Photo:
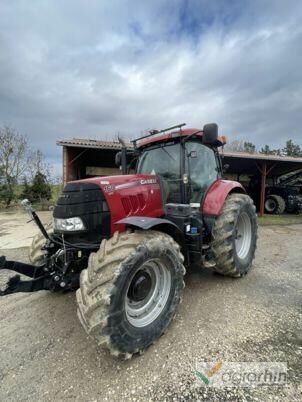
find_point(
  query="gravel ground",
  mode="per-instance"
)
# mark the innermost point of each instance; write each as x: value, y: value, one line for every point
x: 15, y: 228
x: 45, y: 354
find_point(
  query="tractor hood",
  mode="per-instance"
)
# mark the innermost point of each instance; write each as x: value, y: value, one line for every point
x: 130, y: 195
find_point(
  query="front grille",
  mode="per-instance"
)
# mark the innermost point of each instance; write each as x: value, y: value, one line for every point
x: 86, y: 201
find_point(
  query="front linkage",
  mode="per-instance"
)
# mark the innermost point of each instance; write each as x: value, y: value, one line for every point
x: 60, y: 269
x: 43, y: 277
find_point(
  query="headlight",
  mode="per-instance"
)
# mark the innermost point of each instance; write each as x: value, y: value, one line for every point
x: 69, y: 224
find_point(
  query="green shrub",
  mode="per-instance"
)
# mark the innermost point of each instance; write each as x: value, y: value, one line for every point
x: 39, y: 191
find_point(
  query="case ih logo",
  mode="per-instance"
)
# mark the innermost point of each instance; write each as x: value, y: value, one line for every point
x: 148, y: 181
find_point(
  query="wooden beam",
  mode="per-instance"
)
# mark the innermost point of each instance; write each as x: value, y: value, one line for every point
x: 102, y: 171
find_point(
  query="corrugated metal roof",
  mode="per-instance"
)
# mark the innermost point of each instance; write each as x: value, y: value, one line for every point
x: 102, y: 144
x: 259, y: 156
x: 88, y: 143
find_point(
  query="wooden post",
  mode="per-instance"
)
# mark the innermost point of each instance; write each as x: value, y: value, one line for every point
x: 263, y: 182
x: 65, y: 165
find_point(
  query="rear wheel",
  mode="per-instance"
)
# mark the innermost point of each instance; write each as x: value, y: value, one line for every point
x: 129, y: 292
x: 235, y: 236
x: 274, y: 204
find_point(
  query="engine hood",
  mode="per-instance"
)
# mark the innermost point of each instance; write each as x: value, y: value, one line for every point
x: 111, y: 184
x: 130, y: 195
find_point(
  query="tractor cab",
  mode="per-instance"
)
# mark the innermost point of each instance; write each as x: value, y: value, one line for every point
x: 186, y: 161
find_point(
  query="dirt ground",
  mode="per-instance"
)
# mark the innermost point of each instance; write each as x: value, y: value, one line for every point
x: 16, y: 230
x: 46, y: 356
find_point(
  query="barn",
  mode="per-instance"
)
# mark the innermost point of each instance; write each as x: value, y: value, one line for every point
x: 83, y: 158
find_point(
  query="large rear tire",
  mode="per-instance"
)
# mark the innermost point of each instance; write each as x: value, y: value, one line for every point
x: 36, y: 255
x: 235, y: 236
x: 274, y: 204
x: 129, y: 292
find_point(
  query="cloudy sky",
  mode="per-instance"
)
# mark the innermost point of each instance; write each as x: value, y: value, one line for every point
x: 95, y: 68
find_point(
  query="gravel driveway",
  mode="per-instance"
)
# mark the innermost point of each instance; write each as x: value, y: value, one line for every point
x: 45, y: 354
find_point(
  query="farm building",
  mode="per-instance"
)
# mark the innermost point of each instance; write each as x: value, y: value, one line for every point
x: 83, y: 158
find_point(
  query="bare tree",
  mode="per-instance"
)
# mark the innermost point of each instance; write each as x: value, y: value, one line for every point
x: 235, y: 145
x: 13, y: 149
x: 241, y: 146
x: 36, y: 164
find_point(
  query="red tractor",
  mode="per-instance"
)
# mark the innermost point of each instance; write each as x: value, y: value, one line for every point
x: 123, y: 241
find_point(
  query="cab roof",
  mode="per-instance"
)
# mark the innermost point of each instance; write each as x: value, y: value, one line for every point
x: 165, y: 137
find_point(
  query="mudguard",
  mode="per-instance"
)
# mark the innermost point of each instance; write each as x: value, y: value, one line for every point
x: 146, y: 223
x: 162, y: 225
x: 216, y: 195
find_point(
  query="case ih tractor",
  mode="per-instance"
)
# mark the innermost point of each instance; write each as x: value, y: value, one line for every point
x: 123, y: 241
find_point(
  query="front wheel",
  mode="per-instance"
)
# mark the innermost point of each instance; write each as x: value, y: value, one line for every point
x: 129, y: 292
x: 235, y: 236
x: 36, y: 255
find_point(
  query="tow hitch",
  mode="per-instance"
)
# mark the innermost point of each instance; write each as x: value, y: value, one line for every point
x: 54, y: 274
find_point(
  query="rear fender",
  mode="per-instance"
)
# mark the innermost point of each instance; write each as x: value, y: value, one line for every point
x: 216, y: 195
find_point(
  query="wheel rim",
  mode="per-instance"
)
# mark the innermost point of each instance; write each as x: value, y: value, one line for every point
x: 270, y: 205
x: 243, y: 236
x: 148, y: 293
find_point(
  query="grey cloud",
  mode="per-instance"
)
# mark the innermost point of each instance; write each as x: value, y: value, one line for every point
x: 92, y: 69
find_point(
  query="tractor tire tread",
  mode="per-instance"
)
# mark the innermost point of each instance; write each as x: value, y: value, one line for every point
x: 97, y: 282
x: 281, y: 205
x: 222, y: 245
x: 35, y: 250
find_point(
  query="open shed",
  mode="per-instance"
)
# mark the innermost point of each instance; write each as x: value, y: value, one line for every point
x: 83, y: 158
x: 265, y: 166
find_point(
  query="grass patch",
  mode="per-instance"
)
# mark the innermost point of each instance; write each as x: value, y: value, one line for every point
x: 280, y: 219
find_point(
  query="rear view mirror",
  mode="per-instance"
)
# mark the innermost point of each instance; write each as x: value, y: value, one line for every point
x: 210, y: 134
x: 118, y: 159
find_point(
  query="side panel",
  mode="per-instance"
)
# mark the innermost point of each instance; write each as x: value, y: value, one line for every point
x: 216, y: 195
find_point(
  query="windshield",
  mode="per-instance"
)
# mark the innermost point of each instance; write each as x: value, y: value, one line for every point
x: 163, y: 161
